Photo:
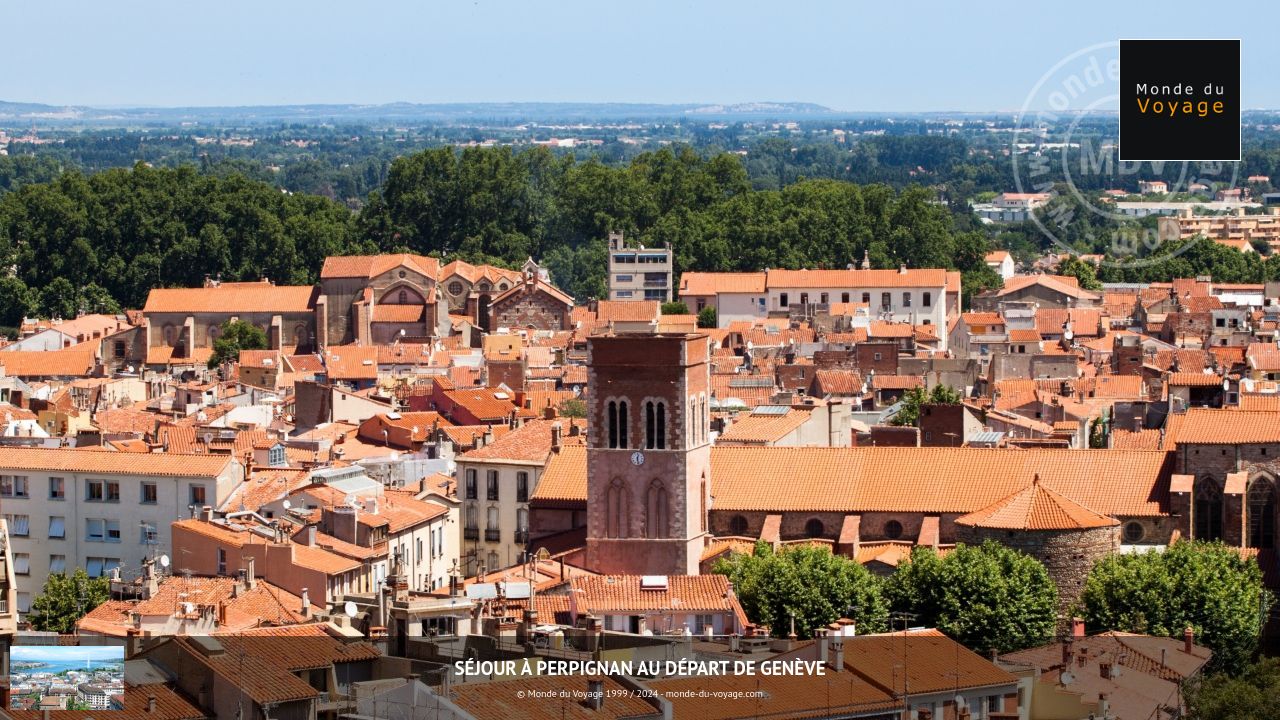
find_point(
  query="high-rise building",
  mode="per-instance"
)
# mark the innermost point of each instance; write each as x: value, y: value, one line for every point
x: 639, y: 273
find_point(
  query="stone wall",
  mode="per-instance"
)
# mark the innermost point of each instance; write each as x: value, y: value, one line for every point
x: 1068, y: 555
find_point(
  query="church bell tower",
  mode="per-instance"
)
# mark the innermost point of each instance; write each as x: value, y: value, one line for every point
x: 648, y: 453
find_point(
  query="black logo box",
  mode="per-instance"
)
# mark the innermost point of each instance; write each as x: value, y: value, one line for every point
x: 1189, y: 65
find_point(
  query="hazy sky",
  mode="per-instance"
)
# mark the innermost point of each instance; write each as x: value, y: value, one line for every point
x: 853, y: 56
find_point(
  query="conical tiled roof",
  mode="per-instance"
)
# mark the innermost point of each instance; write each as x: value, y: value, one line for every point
x: 1036, y: 507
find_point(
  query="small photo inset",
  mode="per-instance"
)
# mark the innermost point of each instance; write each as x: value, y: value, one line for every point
x: 56, y: 677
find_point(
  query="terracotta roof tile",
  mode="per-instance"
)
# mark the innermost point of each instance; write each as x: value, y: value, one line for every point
x: 886, y: 479
x: 1140, y: 440
x: 232, y: 298
x: 757, y: 429
x: 784, y: 279
x: 531, y: 442
x: 707, y: 283
x: 1209, y: 426
x: 75, y: 361
x: 367, y: 266
x: 83, y: 461
x: 628, y: 311
x: 605, y: 594
x: 351, y: 362
x: 1036, y: 507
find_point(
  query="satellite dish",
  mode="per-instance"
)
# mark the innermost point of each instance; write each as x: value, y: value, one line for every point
x: 164, y: 561
x: 1068, y: 334
x: 350, y: 609
x: 286, y: 504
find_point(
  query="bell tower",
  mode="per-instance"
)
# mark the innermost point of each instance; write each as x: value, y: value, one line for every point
x: 648, y: 452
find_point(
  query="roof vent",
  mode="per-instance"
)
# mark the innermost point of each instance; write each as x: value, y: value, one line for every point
x: 653, y: 582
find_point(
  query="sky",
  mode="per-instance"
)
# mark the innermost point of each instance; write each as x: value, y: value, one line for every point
x: 851, y: 56
x: 53, y: 653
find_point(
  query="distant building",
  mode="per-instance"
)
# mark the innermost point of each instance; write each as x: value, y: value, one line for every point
x: 1011, y: 207
x: 1235, y: 230
x: 1002, y: 262
x: 1152, y: 187
x: 639, y: 273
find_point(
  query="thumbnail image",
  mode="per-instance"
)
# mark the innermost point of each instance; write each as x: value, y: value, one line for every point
x: 66, y: 678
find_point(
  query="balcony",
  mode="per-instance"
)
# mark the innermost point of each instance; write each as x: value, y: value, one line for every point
x: 522, y: 537
x: 492, y: 535
x: 471, y: 533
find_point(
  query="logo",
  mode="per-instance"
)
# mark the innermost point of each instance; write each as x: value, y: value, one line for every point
x: 1180, y: 100
x: 1066, y: 160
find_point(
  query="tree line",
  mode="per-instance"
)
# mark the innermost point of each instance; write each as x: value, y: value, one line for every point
x: 100, y: 242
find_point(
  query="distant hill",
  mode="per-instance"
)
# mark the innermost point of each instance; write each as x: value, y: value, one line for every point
x: 17, y: 113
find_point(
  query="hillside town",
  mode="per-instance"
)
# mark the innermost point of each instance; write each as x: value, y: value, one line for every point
x: 428, y: 462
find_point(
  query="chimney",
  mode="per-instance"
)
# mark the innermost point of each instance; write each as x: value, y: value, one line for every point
x: 373, y: 506
x: 1077, y: 627
x: 1104, y: 707
x: 1188, y: 639
x: 311, y: 536
x: 250, y: 581
x: 206, y: 513
x: 151, y: 704
x: 595, y: 694
x: 838, y: 663
x: 1067, y: 652
x: 820, y: 635
x: 306, y: 604
x: 549, y: 412
x: 902, y: 269
x: 555, y: 437
x: 222, y: 616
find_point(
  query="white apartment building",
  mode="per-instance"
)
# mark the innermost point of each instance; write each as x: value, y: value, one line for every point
x: 69, y: 509
x: 920, y: 296
x: 495, y: 483
x: 639, y: 273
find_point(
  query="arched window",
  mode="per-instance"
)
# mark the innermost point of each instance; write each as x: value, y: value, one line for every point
x: 522, y: 519
x: 893, y: 529
x: 814, y: 528
x: 491, y: 518
x: 1262, y: 512
x: 702, y: 503
x: 655, y: 425
x: 657, y: 518
x: 737, y: 525
x: 402, y: 297
x: 1208, y: 509
x: 616, y: 525
x: 624, y: 439
x: 213, y: 333
x: 611, y: 411
x: 168, y: 335
x: 471, y: 517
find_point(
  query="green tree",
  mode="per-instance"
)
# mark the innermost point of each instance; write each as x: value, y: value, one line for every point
x: 59, y: 299
x: 707, y: 318
x: 573, y: 408
x: 236, y: 335
x: 1085, y: 272
x: 809, y: 585
x: 16, y: 301
x: 987, y: 597
x: 66, y: 598
x: 913, y: 399
x: 1252, y: 695
x: 675, y: 308
x: 1208, y: 587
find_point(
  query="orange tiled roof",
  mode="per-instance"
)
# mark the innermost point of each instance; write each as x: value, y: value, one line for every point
x: 247, y: 297
x: 531, y: 442
x: 84, y: 461
x: 838, y: 382
x: 709, y: 283
x: 628, y: 310
x: 1259, y: 403
x: 927, y: 277
x: 1065, y: 285
x: 886, y: 479
x: 392, y: 313
x: 1194, y: 379
x: 75, y: 361
x: 367, y: 266
x: 604, y: 594
x: 1135, y: 440
x: 482, y: 403
x: 1209, y: 426
x: 1036, y: 507
x: 896, y: 382
x: 351, y: 362
x: 762, y: 429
